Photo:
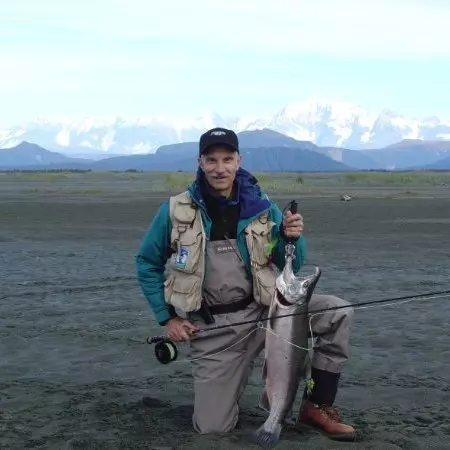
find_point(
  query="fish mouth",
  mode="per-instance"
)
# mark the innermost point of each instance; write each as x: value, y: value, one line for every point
x: 296, y: 290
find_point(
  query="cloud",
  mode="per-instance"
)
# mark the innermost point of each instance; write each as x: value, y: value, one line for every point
x: 134, y: 55
x: 339, y: 28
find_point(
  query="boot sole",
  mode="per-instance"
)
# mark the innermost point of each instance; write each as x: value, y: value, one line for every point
x: 349, y: 437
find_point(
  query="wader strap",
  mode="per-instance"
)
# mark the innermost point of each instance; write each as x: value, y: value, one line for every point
x: 206, y: 312
x: 231, y: 307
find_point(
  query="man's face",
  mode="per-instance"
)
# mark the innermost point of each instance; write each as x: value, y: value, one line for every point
x: 220, y: 165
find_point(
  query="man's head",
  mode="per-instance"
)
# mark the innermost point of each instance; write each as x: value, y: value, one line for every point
x: 219, y: 159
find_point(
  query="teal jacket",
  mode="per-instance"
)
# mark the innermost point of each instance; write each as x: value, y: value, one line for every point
x: 154, y: 250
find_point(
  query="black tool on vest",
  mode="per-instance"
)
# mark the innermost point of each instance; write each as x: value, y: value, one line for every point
x: 292, y: 206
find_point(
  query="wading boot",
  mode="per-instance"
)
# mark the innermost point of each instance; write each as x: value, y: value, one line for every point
x: 317, y: 412
x: 324, y: 419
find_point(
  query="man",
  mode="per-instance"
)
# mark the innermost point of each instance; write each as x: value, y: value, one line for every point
x: 210, y: 255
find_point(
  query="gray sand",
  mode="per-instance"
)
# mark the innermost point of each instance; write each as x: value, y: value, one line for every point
x: 75, y: 367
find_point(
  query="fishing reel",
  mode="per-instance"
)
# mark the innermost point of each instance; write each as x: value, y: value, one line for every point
x: 165, y: 350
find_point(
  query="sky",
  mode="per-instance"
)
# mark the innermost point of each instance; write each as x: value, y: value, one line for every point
x: 185, y: 58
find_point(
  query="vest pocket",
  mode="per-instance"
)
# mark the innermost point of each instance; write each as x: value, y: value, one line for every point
x: 260, y: 241
x: 188, y: 248
x: 183, y: 292
x: 264, y: 284
x: 259, y: 234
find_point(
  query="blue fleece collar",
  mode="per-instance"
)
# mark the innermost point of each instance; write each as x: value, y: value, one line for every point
x: 248, y: 193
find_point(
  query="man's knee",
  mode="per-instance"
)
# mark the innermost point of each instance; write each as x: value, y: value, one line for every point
x: 206, y: 421
x: 343, y: 308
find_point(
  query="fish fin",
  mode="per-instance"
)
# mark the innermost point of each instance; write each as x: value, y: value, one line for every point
x: 273, y: 308
x: 267, y: 439
x: 264, y: 402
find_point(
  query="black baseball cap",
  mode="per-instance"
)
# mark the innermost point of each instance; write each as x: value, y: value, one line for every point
x: 218, y: 136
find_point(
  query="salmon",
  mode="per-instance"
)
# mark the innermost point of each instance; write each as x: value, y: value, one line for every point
x: 284, y: 363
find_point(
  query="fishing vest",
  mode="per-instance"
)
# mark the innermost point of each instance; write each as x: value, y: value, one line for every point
x: 185, y: 268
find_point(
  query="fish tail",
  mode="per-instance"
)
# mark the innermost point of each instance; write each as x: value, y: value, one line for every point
x: 267, y: 439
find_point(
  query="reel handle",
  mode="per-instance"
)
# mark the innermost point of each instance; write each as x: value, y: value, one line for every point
x: 156, y: 339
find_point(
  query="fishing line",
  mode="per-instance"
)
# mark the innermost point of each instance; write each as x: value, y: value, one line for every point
x: 362, y: 307
x: 218, y: 352
x: 166, y: 351
x: 259, y: 326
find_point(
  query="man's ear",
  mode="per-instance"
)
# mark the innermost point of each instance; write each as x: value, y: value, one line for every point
x: 239, y: 161
x: 199, y: 161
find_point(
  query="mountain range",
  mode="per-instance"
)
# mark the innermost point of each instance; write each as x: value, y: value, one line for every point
x: 263, y: 151
x: 329, y: 124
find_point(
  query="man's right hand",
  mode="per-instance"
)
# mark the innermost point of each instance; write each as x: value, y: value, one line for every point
x: 178, y: 329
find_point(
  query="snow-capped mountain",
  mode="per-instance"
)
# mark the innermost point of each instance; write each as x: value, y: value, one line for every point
x: 327, y: 124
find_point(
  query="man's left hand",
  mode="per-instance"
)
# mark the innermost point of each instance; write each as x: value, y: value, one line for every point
x: 292, y: 225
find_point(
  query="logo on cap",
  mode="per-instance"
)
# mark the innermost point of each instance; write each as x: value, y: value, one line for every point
x: 217, y: 133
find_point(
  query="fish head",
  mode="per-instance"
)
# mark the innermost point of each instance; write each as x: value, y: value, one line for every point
x: 296, y: 289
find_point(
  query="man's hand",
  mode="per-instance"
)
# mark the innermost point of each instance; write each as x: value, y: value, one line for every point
x: 292, y: 225
x: 178, y: 329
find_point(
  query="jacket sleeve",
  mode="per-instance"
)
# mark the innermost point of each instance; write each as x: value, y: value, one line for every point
x: 150, y: 263
x: 279, y: 242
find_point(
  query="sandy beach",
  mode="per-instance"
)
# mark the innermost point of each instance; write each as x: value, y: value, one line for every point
x: 75, y: 367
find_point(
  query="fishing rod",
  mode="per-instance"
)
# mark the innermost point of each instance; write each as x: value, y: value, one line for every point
x: 166, y: 351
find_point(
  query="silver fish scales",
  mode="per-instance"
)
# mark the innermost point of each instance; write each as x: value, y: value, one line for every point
x: 284, y: 363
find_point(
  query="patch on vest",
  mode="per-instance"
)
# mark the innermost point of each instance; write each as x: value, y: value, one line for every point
x: 223, y: 248
x: 181, y: 258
